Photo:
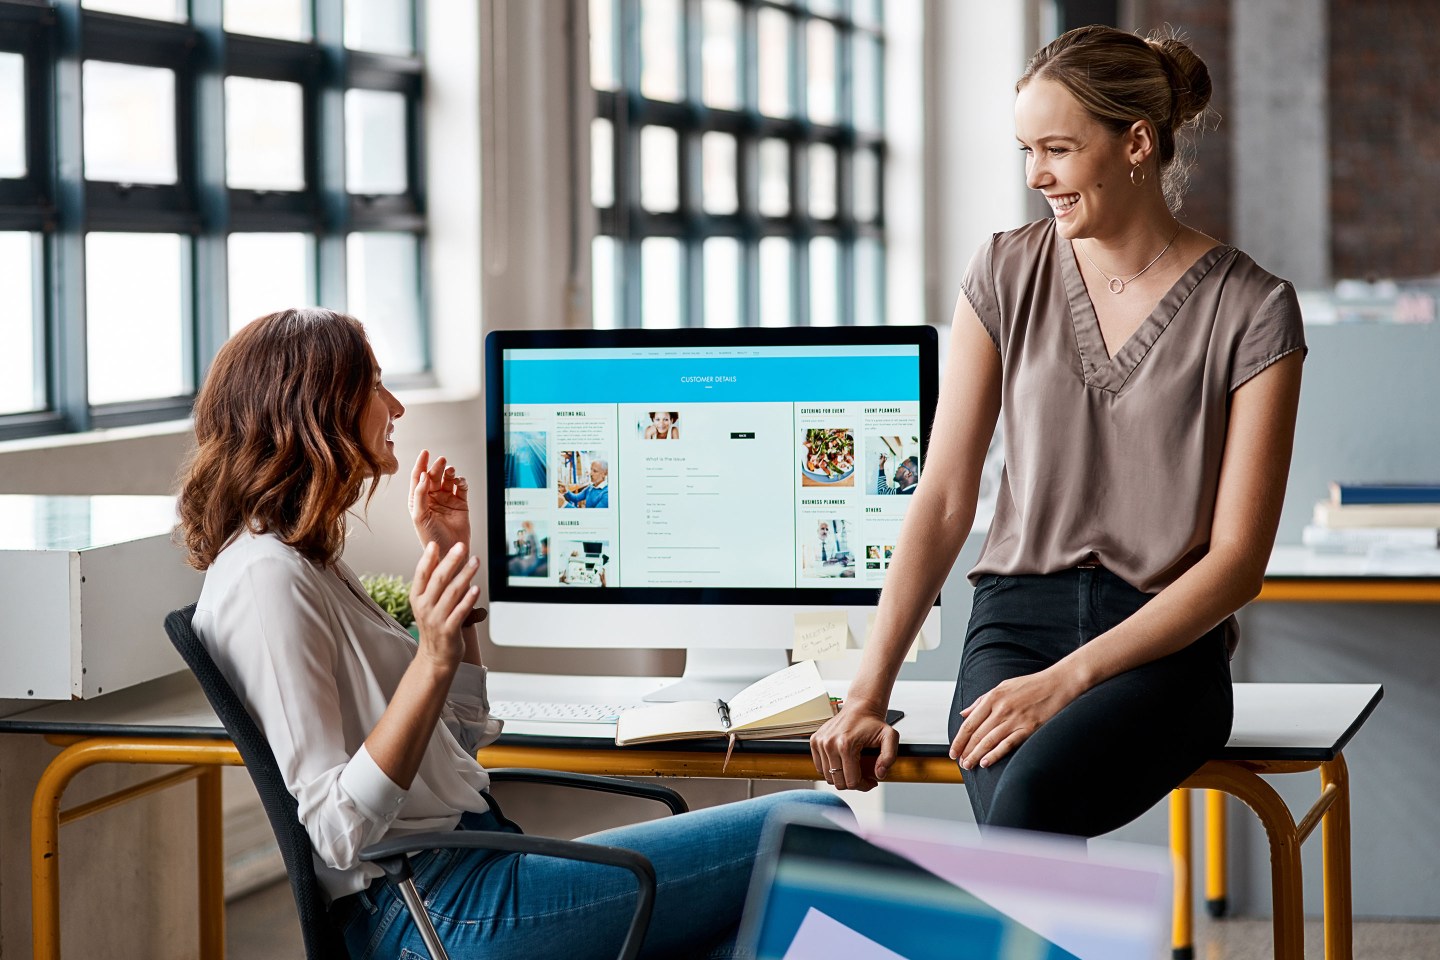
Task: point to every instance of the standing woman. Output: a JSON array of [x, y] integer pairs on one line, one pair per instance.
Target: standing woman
[[376, 734], [1148, 378]]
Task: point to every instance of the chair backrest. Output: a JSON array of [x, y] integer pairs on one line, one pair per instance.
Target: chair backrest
[[322, 940]]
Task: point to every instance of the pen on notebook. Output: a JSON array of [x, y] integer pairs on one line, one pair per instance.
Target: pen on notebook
[[724, 709]]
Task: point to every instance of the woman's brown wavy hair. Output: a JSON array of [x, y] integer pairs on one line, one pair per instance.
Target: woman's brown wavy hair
[[277, 429]]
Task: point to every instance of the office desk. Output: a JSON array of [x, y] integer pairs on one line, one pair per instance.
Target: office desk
[[169, 722], [1297, 574], [1301, 575]]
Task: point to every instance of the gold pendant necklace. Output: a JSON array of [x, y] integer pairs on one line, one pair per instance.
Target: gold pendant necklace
[[1116, 285]]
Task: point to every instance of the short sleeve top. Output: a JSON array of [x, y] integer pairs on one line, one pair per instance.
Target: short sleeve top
[[1116, 459]]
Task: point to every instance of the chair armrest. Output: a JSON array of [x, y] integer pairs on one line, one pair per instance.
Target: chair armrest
[[390, 856], [586, 781]]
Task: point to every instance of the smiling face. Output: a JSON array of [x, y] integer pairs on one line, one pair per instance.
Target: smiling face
[[662, 423], [1080, 166], [378, 424]]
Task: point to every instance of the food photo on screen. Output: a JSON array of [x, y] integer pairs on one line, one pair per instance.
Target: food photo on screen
[[827, 457]]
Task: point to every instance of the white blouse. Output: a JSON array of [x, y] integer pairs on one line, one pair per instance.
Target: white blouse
[[316, 661]]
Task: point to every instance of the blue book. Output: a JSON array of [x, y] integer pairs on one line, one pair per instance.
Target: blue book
[[1350, 494]]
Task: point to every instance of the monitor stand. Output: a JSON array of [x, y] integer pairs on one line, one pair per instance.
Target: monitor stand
[[717, 673]]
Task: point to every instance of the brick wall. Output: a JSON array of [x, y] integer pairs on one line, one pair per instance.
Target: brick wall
[[1206, 28], [1384, 138]]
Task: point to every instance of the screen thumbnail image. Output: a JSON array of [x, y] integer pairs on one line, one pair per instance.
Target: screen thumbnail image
[[525, 460], [892, 464], [827, 457], [584, 480], [583, 563], [659, 423], [825, 549], [528, 550]]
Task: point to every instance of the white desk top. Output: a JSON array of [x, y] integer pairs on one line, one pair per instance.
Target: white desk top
[[34, 522], [1296, 561], [1297, 721]]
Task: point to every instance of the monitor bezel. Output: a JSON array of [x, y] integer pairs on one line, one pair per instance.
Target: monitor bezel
[[497, 342]]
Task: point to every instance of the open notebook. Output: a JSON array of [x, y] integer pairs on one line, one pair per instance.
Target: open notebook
[[822, 891]]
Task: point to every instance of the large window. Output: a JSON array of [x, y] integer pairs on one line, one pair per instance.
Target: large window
[[736, 162], [172, 169]]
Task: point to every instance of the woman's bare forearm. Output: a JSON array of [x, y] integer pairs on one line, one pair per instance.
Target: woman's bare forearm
[[399, 739]]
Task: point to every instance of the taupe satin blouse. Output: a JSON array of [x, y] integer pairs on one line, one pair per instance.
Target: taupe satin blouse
[[1116, 459]]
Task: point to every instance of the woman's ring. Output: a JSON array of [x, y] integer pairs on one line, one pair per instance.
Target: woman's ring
[[834, 769]]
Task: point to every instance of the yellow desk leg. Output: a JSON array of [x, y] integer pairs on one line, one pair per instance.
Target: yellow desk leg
[[1216, 900], [1182, 940], [1335, 852], [1285, 875], [210, 829], [45, 817]]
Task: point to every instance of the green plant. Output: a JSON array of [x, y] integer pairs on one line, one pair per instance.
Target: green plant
[[392, 593]]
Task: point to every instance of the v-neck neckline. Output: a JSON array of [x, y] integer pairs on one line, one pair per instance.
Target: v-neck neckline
[[1097, 366]]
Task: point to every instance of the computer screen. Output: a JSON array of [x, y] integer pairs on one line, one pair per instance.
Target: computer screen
[[669, 469]]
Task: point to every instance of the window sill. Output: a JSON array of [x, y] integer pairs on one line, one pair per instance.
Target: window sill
[[419, 397]]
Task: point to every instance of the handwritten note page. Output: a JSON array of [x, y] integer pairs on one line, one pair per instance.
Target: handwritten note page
[[821, 635], [790, 688]]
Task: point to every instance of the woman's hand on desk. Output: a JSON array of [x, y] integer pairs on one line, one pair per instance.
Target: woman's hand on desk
[[1005, 717], [441, 597], [836, 746], [439, 503]]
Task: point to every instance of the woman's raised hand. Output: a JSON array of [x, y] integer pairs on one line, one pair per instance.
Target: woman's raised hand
[[439, 503], [442, 595]]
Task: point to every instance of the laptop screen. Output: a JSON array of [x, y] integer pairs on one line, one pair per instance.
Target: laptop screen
[[822, 891]]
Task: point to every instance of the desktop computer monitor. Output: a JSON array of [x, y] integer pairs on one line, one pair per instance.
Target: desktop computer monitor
[[699, 488]]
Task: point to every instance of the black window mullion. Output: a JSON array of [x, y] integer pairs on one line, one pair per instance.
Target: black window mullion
[[65, 262], [629, 111], [330, 155], [209, 302], [627, 176]]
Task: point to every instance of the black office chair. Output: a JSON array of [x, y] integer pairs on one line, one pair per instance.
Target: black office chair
[[322, 940]]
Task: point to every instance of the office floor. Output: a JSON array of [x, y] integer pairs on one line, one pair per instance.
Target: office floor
[[262, 926]]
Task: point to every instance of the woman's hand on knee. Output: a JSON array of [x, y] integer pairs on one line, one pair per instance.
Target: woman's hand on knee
[[1007, 715], [835, 748]]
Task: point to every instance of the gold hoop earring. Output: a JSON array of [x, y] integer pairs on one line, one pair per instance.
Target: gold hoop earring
[[1133, 169]]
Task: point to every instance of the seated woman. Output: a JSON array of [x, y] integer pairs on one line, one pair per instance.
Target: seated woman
[[375, 733]]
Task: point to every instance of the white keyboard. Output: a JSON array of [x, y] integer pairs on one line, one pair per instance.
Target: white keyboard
[[549, 711]]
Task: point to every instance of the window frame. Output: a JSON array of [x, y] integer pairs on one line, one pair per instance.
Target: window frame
[[55, 203], [628, 111]]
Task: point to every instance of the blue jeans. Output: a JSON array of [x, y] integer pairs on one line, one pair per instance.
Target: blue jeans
[[527, 907]]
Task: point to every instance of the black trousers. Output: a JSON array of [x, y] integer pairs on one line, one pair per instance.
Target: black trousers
[[1118, 748]]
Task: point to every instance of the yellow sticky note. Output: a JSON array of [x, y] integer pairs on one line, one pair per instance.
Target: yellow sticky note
[[911, 655], [820, 635]]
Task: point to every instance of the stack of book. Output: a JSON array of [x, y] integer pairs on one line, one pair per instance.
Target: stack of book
[[1363, 517]]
